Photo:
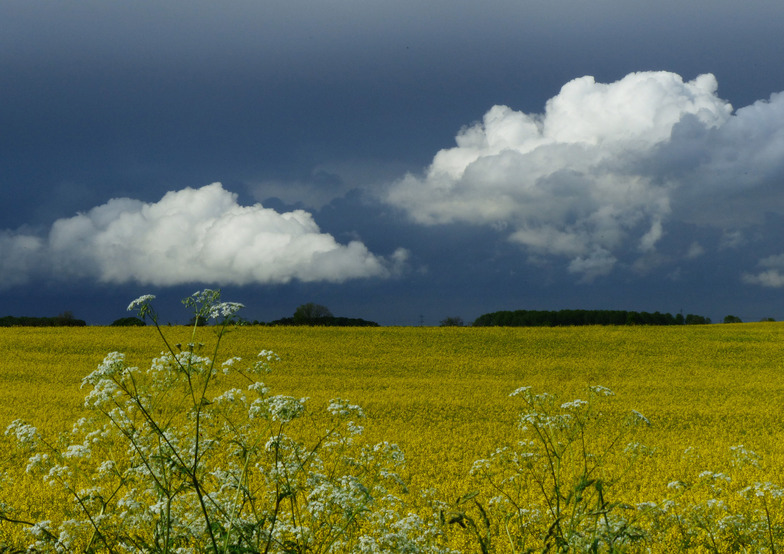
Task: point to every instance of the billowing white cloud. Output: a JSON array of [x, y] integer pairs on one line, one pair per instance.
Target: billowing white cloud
[[772, 276], [598, 175], [191, 235]]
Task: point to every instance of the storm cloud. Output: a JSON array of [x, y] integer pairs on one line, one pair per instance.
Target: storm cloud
[[606, 168], [191, 235]]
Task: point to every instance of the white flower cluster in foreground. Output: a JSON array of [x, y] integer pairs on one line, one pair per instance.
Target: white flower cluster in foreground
[[169, 460]]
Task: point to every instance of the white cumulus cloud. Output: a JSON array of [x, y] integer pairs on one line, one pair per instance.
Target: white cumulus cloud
[[772, 277], [599, 174], [191, 235]]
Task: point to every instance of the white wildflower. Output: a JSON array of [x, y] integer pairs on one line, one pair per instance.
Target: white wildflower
[[742, 456], [711, 476], [259, 388], [228, 364], [601, 391], [639, 419], [230, 396], [225, 309], [342, 408], [286, 408], [141, 302], [269, 355], [106, 468], [77, 451], [520, 391], [41, 529], [480, 466], [25, 433], [354, 429], [265, 358], [65, 540], [766, 489], [58, 474], [112, 366], [574, 404], [36, 461]]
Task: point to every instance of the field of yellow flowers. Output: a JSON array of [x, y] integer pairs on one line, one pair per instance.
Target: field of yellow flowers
[[711, 398]]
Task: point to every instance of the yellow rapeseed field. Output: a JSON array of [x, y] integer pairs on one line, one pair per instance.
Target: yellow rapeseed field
[[442, 394]]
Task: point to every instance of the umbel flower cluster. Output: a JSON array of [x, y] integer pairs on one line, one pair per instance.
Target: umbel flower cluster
[[196, 455]]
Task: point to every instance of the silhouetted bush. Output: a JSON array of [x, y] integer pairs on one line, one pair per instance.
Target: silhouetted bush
[[452, 322], [128, 322]]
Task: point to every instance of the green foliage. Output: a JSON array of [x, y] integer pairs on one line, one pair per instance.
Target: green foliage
[[732, 319]]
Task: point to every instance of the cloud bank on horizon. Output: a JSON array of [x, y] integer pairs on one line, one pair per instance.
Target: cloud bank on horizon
[[595, 181], [603, 170], [189, 236]]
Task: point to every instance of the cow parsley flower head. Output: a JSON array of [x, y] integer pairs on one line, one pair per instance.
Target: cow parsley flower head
[[285, 408], [766, 489], [36, 462], [228, 364], [519, 391], [574, 404], [224, 309], [342, 408], [142, 304], [638, 419], [25, 433]]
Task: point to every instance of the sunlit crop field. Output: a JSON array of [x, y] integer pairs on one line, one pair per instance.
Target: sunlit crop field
[[442, 394]]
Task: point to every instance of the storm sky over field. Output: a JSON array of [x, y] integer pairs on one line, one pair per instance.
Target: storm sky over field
[[397, 161]]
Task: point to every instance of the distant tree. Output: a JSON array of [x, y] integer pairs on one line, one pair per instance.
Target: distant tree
[[452, 322], [633, 318], [692, 319], [732, 319], [767, 320], [311, 313], [199, 323], [128, 322]]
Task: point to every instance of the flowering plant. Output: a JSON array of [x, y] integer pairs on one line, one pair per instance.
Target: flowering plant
[[193, 455]]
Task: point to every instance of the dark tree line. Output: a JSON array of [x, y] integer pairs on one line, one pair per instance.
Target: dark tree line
[[560, 318], [65, 319]]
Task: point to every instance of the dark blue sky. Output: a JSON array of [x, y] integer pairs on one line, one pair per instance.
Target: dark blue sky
[[397, 161]]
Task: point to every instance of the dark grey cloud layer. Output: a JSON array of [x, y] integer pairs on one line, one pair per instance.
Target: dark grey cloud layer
[[326, 107]]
